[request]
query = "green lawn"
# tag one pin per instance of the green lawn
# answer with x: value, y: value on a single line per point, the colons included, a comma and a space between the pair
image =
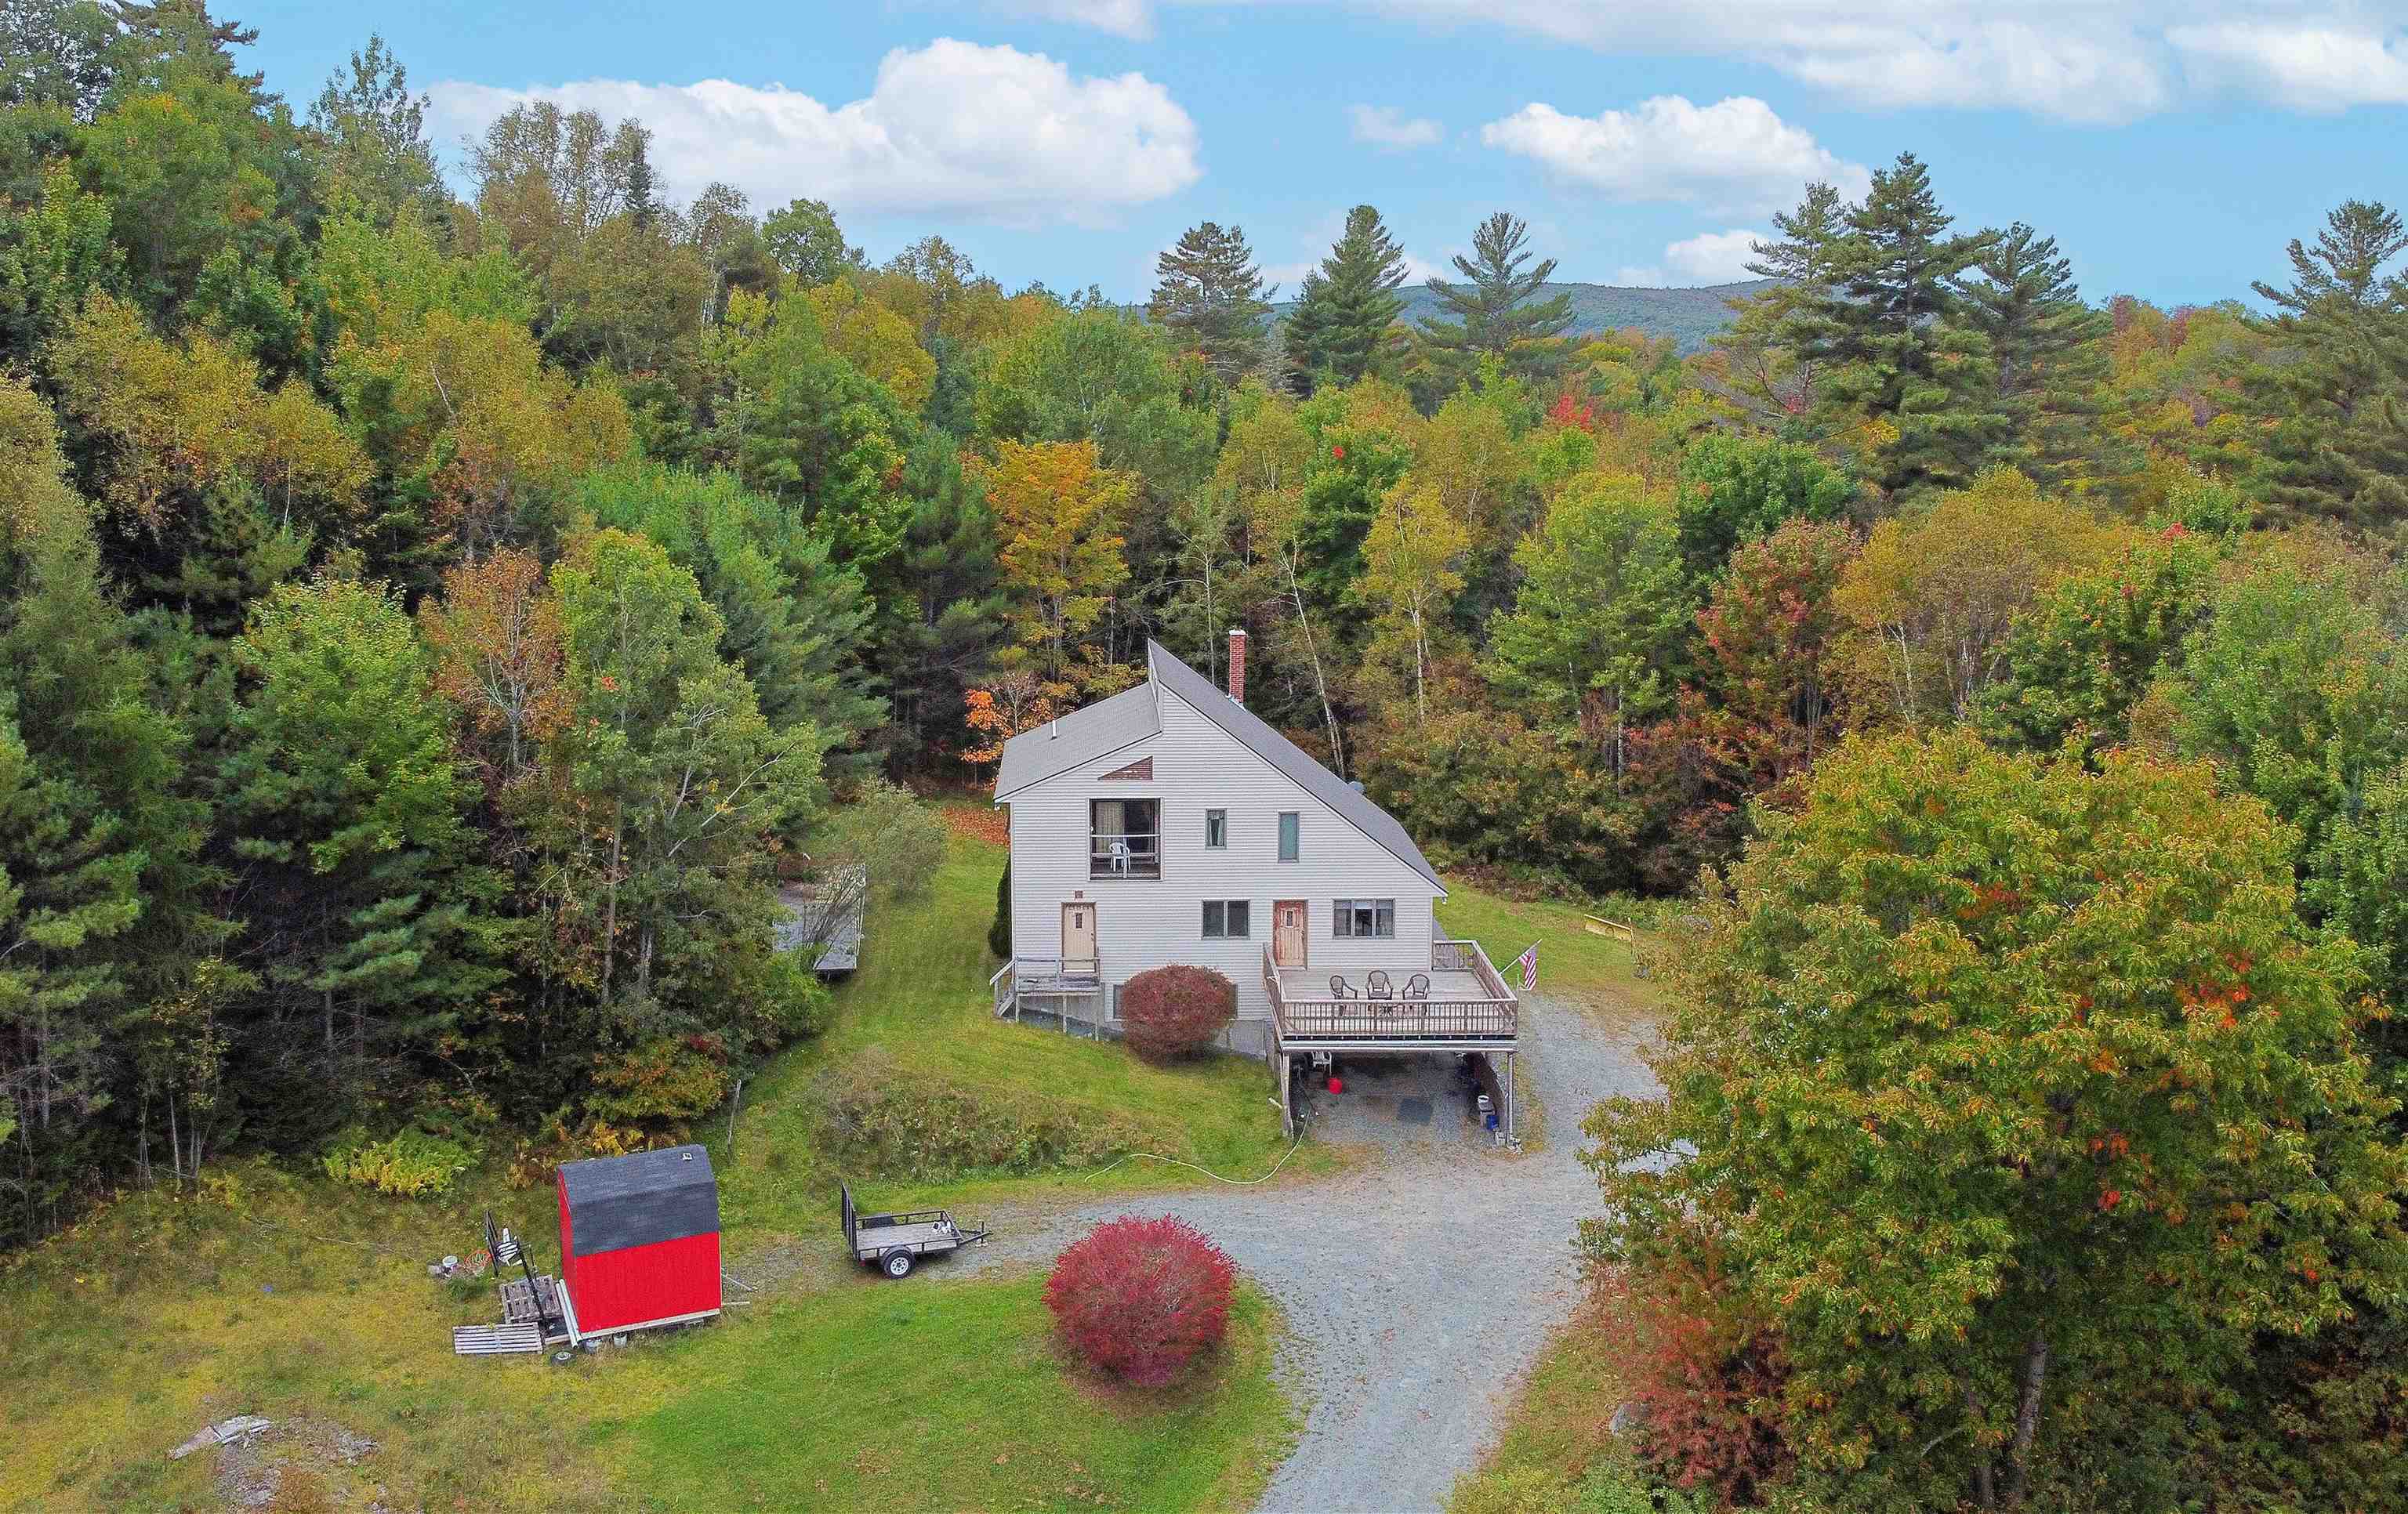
x: 278, y: 1293
x: 1599, y: 971
x: 954, y: 1397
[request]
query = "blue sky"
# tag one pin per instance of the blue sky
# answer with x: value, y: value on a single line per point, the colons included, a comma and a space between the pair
x: 2173, y: 150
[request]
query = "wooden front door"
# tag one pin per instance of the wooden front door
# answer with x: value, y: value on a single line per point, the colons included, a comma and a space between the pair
x: 1287, y: 934
x: 1078, y: 937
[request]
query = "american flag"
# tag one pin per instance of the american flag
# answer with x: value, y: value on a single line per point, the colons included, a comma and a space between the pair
x: 1528, y: 962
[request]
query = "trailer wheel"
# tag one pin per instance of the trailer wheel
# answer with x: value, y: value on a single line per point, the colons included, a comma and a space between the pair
x: 897, y: 1262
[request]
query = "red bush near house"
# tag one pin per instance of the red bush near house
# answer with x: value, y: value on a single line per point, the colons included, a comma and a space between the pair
x: 1139, y: 1298
x: 1172, y: 1013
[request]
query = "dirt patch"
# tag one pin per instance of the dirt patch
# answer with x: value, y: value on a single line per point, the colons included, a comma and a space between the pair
x: 981, y: 822
x: 298, y: 1467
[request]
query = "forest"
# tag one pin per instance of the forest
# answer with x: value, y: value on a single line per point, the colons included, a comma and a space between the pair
x: 436, y: 611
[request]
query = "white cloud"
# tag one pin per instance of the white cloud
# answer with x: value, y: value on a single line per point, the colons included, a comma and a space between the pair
x: 1713, y: 257
x: 2092, y: 60
x: 951, y: 128
x: 1388, y: 127
x: 1122, y: 18
x: 1733, y: 154
x: 2305, y: 67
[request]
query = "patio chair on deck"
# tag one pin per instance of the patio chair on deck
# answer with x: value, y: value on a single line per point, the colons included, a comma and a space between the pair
x: 1338, y: 989
x: 1383, y: 987
x: 1417, y: 986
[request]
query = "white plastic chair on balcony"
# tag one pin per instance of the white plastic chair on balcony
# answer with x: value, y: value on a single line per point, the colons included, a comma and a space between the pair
x: 1121, y: 857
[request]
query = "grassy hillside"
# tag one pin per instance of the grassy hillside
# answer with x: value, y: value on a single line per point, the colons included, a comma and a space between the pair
x: 275, y: 1292
x: 1688, y: 316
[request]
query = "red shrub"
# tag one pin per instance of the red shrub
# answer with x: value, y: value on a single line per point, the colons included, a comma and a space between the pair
x: 1173, y: 1012
x: 1705, y: 1379
x: 1140, y: 1297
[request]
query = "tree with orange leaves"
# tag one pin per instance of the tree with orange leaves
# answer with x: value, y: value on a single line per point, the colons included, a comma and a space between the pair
x: 1014, y: 701
x: 495, y: 636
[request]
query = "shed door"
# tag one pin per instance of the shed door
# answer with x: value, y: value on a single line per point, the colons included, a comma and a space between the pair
x: 1287, y: 934
x: 1078, y: 937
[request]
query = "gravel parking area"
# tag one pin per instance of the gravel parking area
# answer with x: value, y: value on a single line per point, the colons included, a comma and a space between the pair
x: 1418, y: 1288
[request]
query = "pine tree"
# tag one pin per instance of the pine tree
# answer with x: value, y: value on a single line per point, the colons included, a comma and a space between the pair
x: 2047, y: 348
x: 1497, y: 311
x: 1339, y: 329
x: 349, y: 810
x: 934, y: 640
x: 2340, y: 446
x: 1761, y: 364
x: 99, y: 883
x: 1905, y: 365
x: 1212, y: 297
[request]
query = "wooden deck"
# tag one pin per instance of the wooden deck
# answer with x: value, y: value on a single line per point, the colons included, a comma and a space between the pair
x: 1468, y: 1006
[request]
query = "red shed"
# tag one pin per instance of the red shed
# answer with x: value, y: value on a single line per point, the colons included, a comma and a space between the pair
x: 639, y: 1239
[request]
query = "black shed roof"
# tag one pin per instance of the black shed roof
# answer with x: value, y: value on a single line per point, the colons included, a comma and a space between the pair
x: 640, y: 1199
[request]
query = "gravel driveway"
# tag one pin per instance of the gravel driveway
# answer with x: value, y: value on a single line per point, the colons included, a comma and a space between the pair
x: 1417, y: 1288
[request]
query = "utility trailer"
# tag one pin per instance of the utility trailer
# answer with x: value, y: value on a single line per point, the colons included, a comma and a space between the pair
x: 893, y: 1243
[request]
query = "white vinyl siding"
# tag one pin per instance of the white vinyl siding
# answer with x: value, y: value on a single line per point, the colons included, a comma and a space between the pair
x: 1149, y: 922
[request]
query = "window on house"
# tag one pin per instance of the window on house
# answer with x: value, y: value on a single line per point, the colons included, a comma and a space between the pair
x: 1216, y: 828
x: 1230, y: 920
x: 1125, y: 839
x: 1364, y: 917
x: 1288, y: 826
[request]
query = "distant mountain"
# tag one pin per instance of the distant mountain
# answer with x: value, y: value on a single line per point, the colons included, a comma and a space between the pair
x: 1688, y: 316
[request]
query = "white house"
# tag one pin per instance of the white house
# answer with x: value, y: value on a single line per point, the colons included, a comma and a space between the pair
x: 1169, y: 825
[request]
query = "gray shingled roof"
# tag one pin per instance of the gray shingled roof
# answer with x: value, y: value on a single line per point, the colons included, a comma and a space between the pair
x: 1080, y: 737
x: 639, y: 1199
x: 1132, y: 715
x: 1289, y: 758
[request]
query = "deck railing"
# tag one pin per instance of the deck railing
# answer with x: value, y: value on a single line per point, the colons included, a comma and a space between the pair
x: 1118, y: 854
x: 1494, y: 1016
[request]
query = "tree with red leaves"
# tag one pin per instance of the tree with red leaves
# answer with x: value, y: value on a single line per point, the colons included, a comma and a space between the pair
x: 1139, y: 1298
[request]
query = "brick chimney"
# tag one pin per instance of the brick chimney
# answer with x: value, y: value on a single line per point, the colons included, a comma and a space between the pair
x: 1238, y: 664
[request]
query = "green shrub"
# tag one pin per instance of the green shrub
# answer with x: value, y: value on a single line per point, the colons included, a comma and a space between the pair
x: 884, y: 828
x: 668, y: 1080
x: 410, y: 1163
x: 998, y: 934
x: 875, y: 1118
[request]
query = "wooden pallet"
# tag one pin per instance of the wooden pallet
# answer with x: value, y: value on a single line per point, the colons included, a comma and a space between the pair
x: 524, y: 1303
x: 496, y: 1340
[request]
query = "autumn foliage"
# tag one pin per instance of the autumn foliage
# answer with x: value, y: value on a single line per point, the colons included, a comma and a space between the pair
x: 1139, y: 1298
x: 1704, y: 1377
x: 1173, y: 1012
